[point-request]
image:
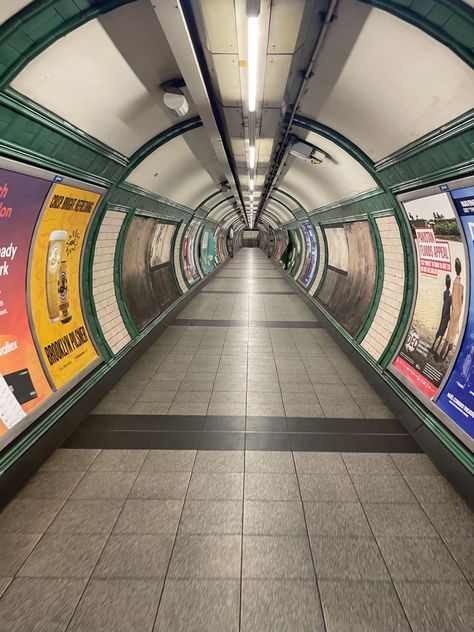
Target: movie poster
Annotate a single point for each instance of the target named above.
(435, 329)
(55, 295)
(457, 396)
(23, 384)
(187, 251)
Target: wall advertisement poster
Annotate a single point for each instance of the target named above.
(55, 295)
(457, 396)
(23, 384)
(309, 265)
(434, 333)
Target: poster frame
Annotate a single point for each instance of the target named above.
(57, 393)
(430, 404)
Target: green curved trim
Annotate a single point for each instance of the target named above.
(324, 246)
(157, 141)
(379, 279)
(30, 31)
(450, 22)
(209, 197)
(231, 197)
(118, 262)
(340, 140)
(277, 201)
(291, 197)
(172, 249)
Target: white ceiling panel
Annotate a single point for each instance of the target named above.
(393, 85)
(218, 16)
(95, 88)
(285, 20)
(276, 75)
(339, 177)
(226, 68)
(174, 172)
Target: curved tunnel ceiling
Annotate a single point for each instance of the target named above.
(379, 81)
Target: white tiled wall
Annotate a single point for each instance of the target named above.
(177, 259)
(108, 313)
(322, 261)
(386, 317)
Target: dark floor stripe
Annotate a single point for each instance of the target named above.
(181, 432)
(290, 324)
(245, 292)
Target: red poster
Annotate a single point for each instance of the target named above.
(23, 385)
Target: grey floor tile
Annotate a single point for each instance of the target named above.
(121, 605)
(271, 487)
(50, 485)
(414, 464)
(365, 463)
(95, 485)
(86, 516)
(169, 461)
(336, 519)
(149, 517)
(348, 558)
(280, 606)
(64, 555)
(70, 460)
(451, 519)
(230, 408)
(153, 395)
(382, 489)
(418, 559)
(193, 397)
(201, 517)
(219, 461)
(342, 411)
(269, 462)
(406, 520)
(210, 606)
(161, 485)
(216, 486)
(356, 606)
(228, 397)
(28, 516)
(277, 557)
(149, 408)
(273, 517)
(4, 583)
(327, 487)
(119, 461)
(319, 463)
(206, 556)
(135, 556)
(462, 549)
(14, 550)
(184, 408)
(260, 409)
(438, 607)
(304, 410)
(432, 489)
(39, 605)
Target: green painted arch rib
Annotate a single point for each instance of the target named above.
(293, 199)
(450, 22)
(30, 31)
(209, 197)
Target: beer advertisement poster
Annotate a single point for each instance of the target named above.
(457, 397)
(435, 331)
(23, 384)
(55, 297)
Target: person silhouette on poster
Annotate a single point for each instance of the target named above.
(445, 316)
(457, 299)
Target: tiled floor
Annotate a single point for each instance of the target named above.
(240, 539)
(221, 541)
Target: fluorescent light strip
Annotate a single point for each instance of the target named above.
(252, 157)
(251, 183)
(252, 53)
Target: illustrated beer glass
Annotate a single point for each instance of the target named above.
(56, 247)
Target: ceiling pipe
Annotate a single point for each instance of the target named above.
(278, 161)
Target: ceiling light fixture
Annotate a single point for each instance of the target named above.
(251, 183)
(252, 54)
(252, 157)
